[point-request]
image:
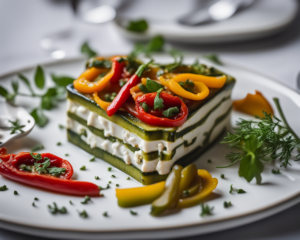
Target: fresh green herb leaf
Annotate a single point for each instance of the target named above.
(62, 81)
(35, 199)
(153, 86)
(3, 92)
(3, 188)
(158, 102)
(156, 44)
(97, 63)
(71, 202)
(109, 169)
(16, 193)
(227, 204)
(55, 171)
(97, 178)
(37, 148)
(275, 171)
(105, 214)
(26, 82)
(107, 187)
(128, 178)
(222, 176)
(206, 210)
(41, 167)
(55, 209)
(143, 88)
(214, 58)
(15, 86)
(138, 26)
(83, 214)
(86, 200)
(113, 176)
(145, 106)
(39, 117)
(26, 168)
(49, 99)
(39, 77)
(133, 213)
(92, 159)
(85, 49)
(61, 126)
(117, 185)
(33, 204)
(67, 154)
(58, 144)
(16, 127)
(109, 182)
(171, 112)
(83, 168)
(37, 157)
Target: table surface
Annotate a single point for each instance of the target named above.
(24, 23)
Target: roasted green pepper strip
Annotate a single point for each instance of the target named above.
(170, 195)
(193, 189)
(188, 174)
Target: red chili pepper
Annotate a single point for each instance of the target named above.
(155, 117)
(124, 93)
(118, 69)
(9, 168)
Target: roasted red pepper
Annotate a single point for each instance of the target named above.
(118, 69)
(13, 166)
(155, 117)
(124, 93)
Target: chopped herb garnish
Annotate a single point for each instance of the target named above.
(33, 204)
(158, 102)
(240, 191)
(209, 160)
(67, 154)
(275, 171)
(145, 106)
(83, 214)
(206, 210)
(153, 86)
(109, 182)
(128, 178)
(71, 202)
(113, 176)
(58, 144)
(214, 58)
(122, 82)
(55, 209)
(222, 176)
(231, 189)
(143, 88)
(259, 141)
(26, 167)
(97, 178)
(171, 112)
(37, 148)
(61, 126)
(101, 188)
(3, 188)
(83, 168)
(117, 185)
(16, 193)
(105, 214)
(133, 213)
(16, 127)
(92, 159)
(227, 204)
(138, 26)
(36, 199)
(109, 169)
(86, 200)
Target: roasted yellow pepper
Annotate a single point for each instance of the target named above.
(208, 185)
(211, 82)
(104, 105)
(253, 104)
(131, 197)
(84, 84)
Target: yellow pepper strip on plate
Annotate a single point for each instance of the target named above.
(253, 104)
(170, 195)
(208, 185)
(84, 84)
(132, 197)
(100, 102)
(202, 90)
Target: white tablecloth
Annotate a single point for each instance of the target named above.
(24, 23)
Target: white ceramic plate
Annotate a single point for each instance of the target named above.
(17, 213)
(263, 18)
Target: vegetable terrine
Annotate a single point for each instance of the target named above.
(144, 118)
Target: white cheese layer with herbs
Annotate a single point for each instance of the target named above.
(114, 130)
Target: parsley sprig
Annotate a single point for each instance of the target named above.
(16, 127)
(261, 141)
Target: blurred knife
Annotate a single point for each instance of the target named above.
(218, 11)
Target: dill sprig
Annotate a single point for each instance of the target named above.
(16, 127)
(261, 140)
